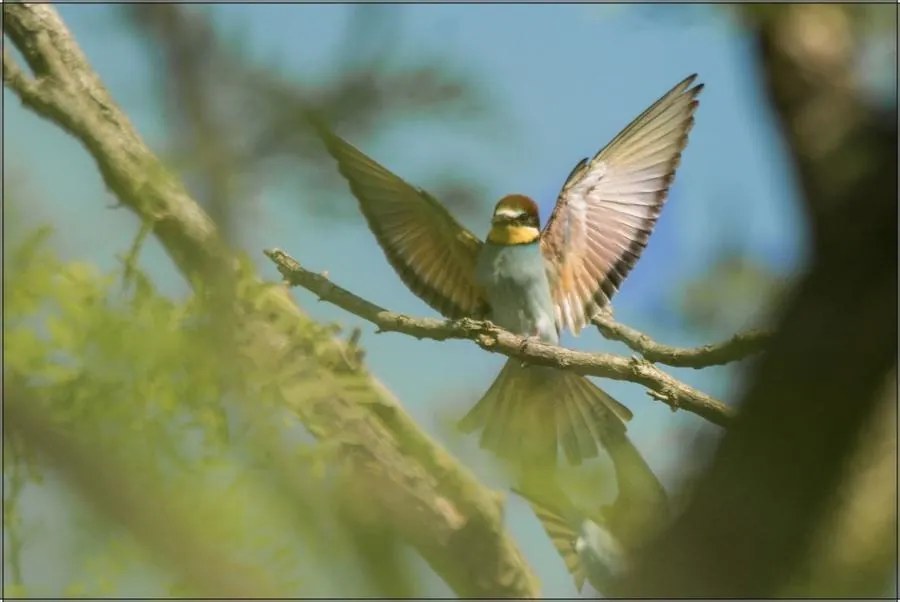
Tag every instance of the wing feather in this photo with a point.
(609, 205)
(430, 251)
(562, 534)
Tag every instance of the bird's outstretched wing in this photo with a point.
(641, 507)
(562, 532)
(432, 253)
(609, 205)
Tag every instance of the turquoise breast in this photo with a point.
(514, 278)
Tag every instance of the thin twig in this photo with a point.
(736, 348)
(12, 504)
(492, 338)
(129, 261)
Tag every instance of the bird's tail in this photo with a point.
(531, 411)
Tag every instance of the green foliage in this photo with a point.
(147, 382)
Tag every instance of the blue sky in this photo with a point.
(564, 80)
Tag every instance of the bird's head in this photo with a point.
(515, 221)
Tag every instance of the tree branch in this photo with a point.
(754, 517)
(13, 76)
(858, 539)
(496, 340)
(736, 348)
(418, 489)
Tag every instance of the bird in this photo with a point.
(533, 282)
(599, 546)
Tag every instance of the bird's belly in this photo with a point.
(514, 279)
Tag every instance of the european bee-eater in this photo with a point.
(599, 545)
(533, 282)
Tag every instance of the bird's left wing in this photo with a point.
(609, 205)
(430, 251)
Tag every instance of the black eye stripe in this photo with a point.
(523, 219)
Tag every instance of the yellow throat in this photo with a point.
(506, 234)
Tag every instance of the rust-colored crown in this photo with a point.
(519, 202)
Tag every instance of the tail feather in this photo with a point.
(580, 418)
(609, 403)
(543, 425)
(479, 414)
(530, 411)
(568, 437)
(499, 414)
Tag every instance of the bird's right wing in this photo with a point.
(430, 251)
(609, 205)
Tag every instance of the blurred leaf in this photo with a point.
(734, 288)
(141, 379)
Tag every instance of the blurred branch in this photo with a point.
(212, 88)
(811, 74)
(860, 537)
(202, 135)
(736, 348)
(108, 485)
(750, 527)
(419, 490)
(491, 338)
